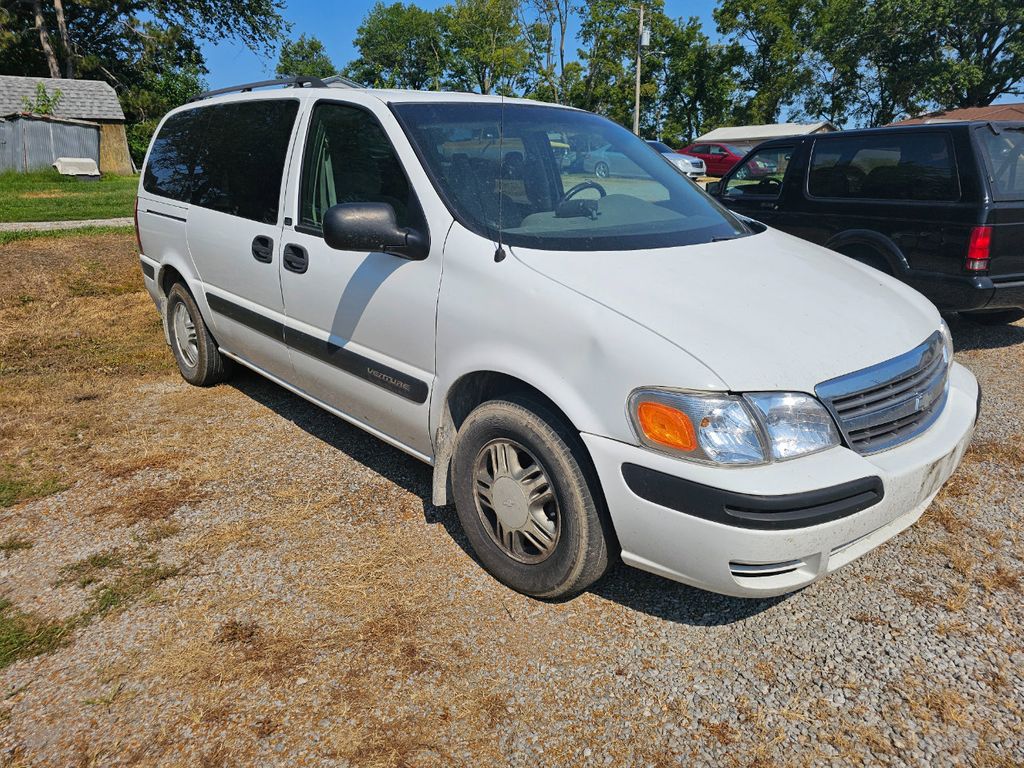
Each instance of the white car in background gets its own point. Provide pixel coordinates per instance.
(593, 368)
(692, 166)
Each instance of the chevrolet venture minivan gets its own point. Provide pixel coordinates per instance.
(593, 368)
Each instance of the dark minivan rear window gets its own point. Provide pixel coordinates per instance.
(1004, 152)
(900, 166)
(225, 157)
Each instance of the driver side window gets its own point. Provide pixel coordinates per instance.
(349, 159)
(761, 174)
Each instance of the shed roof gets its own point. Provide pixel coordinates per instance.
(80, 99)
(992, 112)
(757, 133)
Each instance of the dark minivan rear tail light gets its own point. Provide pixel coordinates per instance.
(978, 249)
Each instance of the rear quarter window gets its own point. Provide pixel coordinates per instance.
(905, 166)
(1003, 150)
(225, 157)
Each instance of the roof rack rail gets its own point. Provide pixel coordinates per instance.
(294, 82)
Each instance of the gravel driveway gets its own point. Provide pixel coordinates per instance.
(232, 577)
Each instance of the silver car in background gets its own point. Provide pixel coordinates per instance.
(688, 164)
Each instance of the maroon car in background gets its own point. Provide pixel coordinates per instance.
(719, 158)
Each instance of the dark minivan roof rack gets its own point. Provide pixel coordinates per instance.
(294, 82)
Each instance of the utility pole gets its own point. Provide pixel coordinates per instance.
(636, 95)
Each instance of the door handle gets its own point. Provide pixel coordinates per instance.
(263, 249)
(295, 258)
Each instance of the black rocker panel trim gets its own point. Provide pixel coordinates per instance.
(744, 510)
(383, 376)
(147, 269)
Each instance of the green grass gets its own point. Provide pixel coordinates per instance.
(14, 544)
(23, 635)
(15, 486)
(25, 234)
(48, 196)
(89, 570)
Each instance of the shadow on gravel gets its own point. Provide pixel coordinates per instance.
(627, 586)
(971, 335)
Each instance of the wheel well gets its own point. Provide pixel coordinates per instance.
(467, 393)
(168, 277)
(867, 254)
(479, 387)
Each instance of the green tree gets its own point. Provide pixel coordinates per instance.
(772, 62)
(489, 49)
(86, 38)
(400, 46)
(609, 32)
(44, 102)
(982, 52)
(304, 57)
(699, 82)
(546, 23)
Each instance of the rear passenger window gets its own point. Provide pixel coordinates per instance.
(349, 159)
(225, 157)
(907, 166)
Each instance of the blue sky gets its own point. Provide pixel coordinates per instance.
(231, 63)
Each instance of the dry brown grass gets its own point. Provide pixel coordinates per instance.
(151, 503)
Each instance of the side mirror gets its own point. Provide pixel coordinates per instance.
(372, 227)
(713, 187)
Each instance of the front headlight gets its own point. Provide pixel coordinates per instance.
(731, 429)
(947, 342)
(795, 424)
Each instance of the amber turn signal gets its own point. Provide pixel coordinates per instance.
(667, 425)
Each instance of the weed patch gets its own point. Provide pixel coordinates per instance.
(23, 635)
(89, 570)
(17, 485)
(13, 544)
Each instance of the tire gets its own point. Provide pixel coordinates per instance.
(994, 317)
(195, 350)
(543, 455)
(601, 170)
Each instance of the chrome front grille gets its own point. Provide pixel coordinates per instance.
(889, 403)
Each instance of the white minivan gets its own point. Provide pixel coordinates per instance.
(594, 368)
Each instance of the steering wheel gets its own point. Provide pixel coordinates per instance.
(573, 191)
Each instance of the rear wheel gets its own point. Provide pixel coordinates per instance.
(195, 350)
(525, 502)
(995, 316)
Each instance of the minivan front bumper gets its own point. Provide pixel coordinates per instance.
(768, 530)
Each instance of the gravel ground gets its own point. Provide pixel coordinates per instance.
(240, 579)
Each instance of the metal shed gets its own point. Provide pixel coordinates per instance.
(81, 101)
(34, 142)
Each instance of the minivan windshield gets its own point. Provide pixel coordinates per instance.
(559, 179)
(1004, 150)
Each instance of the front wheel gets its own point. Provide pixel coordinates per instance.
(525, 502)
(601, 170)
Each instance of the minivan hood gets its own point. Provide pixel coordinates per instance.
(763, 312)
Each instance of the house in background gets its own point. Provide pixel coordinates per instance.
(748, 136)
(86, 122)
(994, 112)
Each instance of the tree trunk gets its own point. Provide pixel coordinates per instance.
(65, 39)
(44, 39)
